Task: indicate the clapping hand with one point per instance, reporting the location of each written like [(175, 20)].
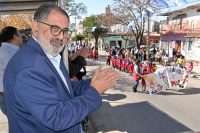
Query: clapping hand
[(104, 79)]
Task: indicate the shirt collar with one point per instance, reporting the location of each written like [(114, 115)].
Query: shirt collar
[(54, 58)]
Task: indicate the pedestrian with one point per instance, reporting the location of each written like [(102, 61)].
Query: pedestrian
[(39, 96), (136, 75), (11, 41)]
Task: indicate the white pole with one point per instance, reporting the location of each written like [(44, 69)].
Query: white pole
[(148, 34), (63, 4)]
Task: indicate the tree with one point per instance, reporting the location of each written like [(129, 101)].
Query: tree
[(89, 23), (75, 9), (107, 20), (94, 28), (127, 37), (133, 14), (99, 32), (78, 37)]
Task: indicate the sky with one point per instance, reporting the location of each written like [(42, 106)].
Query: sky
[(95, 6), (98, 6)]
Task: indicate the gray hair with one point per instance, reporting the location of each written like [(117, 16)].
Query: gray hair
[(44, 10)]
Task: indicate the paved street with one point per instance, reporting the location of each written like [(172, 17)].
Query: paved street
[(173, 111)]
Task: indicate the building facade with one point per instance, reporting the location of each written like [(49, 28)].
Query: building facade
[(181, 31)]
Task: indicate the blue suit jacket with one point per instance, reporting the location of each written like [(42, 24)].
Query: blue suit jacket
[(37, 99)]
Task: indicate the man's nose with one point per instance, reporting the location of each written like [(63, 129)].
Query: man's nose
[(61, 36)]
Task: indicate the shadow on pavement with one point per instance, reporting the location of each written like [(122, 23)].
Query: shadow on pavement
[(186, 91), (134, 118), (113, 97)]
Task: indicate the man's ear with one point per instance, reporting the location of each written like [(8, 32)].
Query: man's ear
[(35, 28)]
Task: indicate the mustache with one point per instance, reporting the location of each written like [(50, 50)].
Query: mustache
[(56, 40)]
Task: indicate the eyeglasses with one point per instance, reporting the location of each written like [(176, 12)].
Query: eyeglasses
[(56, 30)]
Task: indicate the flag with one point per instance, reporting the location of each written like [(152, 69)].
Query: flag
[(85, 29), (93, 29), (176, 2), (163, 2), (179, 2), (185, 1), (130, 28), (113, 28), (123, 28)]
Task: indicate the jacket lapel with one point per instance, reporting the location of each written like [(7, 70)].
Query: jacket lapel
[(66, 74), (58, 75), (32, 43)]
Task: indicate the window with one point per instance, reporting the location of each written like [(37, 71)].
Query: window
[(190, 45)]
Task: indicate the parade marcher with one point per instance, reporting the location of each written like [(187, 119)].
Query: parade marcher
[(158, 56), (136, 75), (95, 53), (108, 57), (11, 41), (39, 95)]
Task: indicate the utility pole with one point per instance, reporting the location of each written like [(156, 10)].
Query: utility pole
[(63, 4), (148, 34)]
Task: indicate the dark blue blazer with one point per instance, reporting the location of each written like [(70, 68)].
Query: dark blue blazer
[(37, 99)]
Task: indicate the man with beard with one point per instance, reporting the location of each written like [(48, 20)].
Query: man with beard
[(39, 96)]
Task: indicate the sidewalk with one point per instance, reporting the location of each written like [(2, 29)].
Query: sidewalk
[(3, 123), (196, 72)]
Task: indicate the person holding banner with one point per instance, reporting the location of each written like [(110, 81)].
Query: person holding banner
[(189, 69), (181, 61)]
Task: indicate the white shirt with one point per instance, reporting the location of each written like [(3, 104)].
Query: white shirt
[(56, 62), (7, 50)]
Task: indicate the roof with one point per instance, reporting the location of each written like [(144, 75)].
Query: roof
[(191, 6), (21, 6)]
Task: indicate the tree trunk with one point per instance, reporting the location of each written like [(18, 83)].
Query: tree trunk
[(96, 42)]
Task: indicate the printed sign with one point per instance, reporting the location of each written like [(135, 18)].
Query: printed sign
[(165, 78)]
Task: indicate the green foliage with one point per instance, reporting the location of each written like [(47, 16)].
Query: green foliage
[(93, 21), (78, 37), (89, 23), (99, 32), (75, 9), (129, 11)]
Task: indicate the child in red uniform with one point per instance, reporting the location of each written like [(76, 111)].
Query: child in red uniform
[(136, 75), (95, 54), (108, 57), (148, 68)]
